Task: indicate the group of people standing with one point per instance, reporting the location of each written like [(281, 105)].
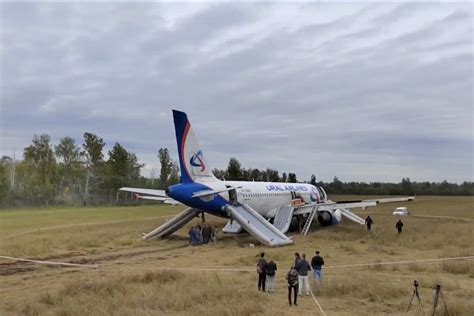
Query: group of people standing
[(297, 277), (199, 236), (266, 274)]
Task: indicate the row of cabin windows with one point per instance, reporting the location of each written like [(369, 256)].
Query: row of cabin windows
[(262, 194)]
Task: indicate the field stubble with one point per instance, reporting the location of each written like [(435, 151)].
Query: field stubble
[(129, 282)]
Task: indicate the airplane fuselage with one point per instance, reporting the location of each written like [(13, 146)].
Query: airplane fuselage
[(265, 197)]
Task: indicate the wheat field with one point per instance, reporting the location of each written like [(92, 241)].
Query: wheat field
[(130, 279)]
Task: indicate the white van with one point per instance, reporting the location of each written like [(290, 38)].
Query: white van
[(401, 211)]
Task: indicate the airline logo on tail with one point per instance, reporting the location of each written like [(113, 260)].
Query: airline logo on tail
[(198, 161)]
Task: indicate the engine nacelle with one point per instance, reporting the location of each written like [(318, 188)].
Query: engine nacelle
[(327, 218)]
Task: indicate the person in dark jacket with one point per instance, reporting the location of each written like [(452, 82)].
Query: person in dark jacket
[(369, 222), (206, 234), (302, 267), (317, 263), (270, 270), (261, 264), (292, 278), (297, 258), (399, 226)]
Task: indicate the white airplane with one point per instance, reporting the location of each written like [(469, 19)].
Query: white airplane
[(264, 209)]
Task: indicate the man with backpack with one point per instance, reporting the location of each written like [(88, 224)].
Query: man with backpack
[(270, 269), (292, 278), (262, 274)]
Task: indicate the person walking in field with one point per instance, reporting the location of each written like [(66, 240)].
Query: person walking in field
[(302, 267), (261, 265), (369, 222), (292, 278), (317, 263), (399, 226), (270, 270)]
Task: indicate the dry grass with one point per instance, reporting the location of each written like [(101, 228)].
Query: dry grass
[(152, 293), (120, 288), (44, 240)]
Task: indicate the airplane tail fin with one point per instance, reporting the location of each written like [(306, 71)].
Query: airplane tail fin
[(192, 162)]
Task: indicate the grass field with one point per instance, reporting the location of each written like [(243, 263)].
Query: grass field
[(130, 280)]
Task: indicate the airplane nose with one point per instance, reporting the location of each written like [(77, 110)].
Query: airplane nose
[(168, 191)]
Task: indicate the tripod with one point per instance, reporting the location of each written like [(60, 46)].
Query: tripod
[(415, 293), (436, 299)]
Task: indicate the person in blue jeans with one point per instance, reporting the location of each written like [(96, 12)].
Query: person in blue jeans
[(317, 264)]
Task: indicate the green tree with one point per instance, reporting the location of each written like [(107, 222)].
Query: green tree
[(40, 157), (166, 167), (313, 180), (118, 165), (174, 174), (69, 167), (337, 185), (406, 186), (93, 146), (272, 175), (292, 178), (219, 173), (255, 175), (234, 170), (284, 177), (68, 152), (94, 161), (3, 179)]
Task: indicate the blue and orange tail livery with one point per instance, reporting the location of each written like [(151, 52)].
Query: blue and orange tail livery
[(191, 157)]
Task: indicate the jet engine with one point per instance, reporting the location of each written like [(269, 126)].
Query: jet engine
[(327, 218)]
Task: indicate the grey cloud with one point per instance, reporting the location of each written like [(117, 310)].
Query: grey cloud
[(363, 94)]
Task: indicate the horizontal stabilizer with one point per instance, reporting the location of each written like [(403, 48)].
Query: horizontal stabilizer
[(152, 192), (165, 200)]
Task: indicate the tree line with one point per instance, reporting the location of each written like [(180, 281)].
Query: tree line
[(235, 171), (73, 174), (79, 174)]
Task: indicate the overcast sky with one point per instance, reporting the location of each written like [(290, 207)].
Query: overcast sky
[(365, 92)]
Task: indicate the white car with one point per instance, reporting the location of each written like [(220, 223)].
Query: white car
[(401, 211)]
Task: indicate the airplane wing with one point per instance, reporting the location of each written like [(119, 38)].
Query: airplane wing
[(330, 205), (344, 207), (151, 194)]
